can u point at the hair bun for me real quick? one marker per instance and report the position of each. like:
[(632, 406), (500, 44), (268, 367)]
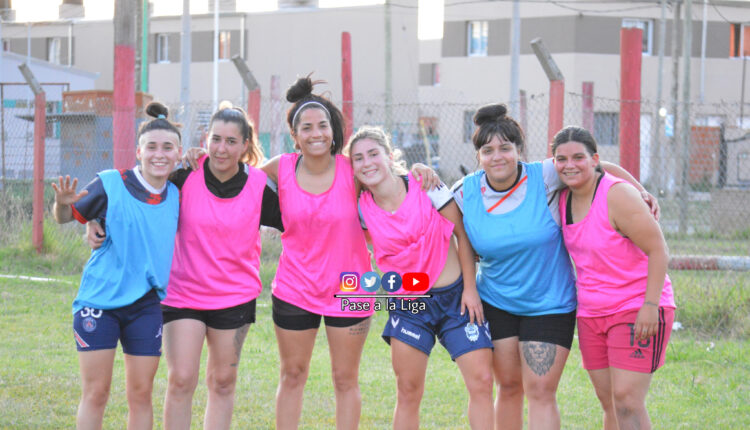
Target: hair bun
[(154, 109), (300, 89), (490, 113), (226, 104)]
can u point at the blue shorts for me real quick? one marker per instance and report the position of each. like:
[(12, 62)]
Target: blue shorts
[(136, 326), (441, 317)]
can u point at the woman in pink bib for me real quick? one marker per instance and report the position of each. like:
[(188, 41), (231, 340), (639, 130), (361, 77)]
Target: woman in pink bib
[(214, 280), (322, 240), (625, 301), (420, 235)]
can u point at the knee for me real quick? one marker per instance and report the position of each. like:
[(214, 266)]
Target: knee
[(539, 391), (182, 382), (626, 403), (345, 380), (479, 384), (409, 390), (605, 398), (96, 396), (222, 383), (293, 376), (510, 388)]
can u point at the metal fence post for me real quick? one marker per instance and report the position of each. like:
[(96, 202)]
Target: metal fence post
[(346, 82), (630, 100), (40, 129)]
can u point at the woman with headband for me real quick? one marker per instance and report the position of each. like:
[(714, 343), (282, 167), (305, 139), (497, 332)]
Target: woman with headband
[(322, 239)]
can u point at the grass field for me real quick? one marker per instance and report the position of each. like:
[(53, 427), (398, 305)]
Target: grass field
[(703, 385)]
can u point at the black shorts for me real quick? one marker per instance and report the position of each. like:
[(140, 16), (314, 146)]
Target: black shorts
[(556, 329), (220, 319), (290, 317)]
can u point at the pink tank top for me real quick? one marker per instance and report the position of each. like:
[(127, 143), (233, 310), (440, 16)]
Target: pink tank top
[(415, 238), (612, 270), (217, 248), (322, 238)]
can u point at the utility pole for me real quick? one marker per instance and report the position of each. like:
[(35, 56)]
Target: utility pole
[(685, 129), (144, 47), (388, 70), (656, 163), (216, 58), (123, 97), (515, 57), (675, 92), (185, 60)]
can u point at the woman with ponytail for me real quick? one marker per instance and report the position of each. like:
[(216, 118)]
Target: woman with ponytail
[(215, 277), (322, 239), (125, 278), (625, 299), (524, 277)]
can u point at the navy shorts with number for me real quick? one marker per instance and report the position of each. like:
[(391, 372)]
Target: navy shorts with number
[(441, 317), (136, 326)]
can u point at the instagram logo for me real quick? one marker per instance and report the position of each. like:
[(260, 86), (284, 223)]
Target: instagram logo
[(349, 281)]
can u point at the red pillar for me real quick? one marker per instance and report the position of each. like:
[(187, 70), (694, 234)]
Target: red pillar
[(556, 111), (37, 212), (123, 97), (253, 110), (346, 82), (630, 99), (587, 120)]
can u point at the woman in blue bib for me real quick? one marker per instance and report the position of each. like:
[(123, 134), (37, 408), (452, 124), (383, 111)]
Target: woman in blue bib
[(524, 278), (124, 279)]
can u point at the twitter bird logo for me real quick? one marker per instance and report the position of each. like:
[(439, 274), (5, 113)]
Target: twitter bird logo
[(370, 282)]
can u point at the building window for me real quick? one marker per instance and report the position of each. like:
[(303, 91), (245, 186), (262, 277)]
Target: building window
[(162, 48), (739, 41), (225, 50), (606, 128), (429, 74), (477, 38), (647, 26), (53, 50)]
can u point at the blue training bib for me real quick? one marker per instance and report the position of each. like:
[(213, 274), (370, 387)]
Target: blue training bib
[(136, 256), (524, 268)]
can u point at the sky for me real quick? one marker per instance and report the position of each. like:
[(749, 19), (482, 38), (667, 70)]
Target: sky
[(430, 11)]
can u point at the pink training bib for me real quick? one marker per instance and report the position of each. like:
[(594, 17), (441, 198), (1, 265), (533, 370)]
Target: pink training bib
[(217, 248), (612, 270), (322, 238), (415, 238)]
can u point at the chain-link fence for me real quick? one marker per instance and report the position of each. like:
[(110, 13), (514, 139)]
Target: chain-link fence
[(702, 181)]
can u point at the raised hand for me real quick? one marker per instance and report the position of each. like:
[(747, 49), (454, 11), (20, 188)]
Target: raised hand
[(65, 191)]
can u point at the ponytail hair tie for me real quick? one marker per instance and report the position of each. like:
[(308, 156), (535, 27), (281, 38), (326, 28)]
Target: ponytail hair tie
[(161, 116)]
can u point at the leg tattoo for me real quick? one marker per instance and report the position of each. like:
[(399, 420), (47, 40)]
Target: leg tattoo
[(539, 356), (239, 340)]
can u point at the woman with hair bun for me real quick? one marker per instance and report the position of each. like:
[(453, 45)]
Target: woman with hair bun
[(625, 300), (124, 280), (322, 239), (214, 282), (524, 277)]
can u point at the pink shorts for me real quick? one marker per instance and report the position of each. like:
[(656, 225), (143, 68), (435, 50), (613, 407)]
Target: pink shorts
[(610, 341)]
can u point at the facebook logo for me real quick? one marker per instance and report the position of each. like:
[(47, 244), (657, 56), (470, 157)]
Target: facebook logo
[(391, 282)]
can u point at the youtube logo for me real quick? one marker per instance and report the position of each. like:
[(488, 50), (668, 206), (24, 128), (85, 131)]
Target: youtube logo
[(416, 282)]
